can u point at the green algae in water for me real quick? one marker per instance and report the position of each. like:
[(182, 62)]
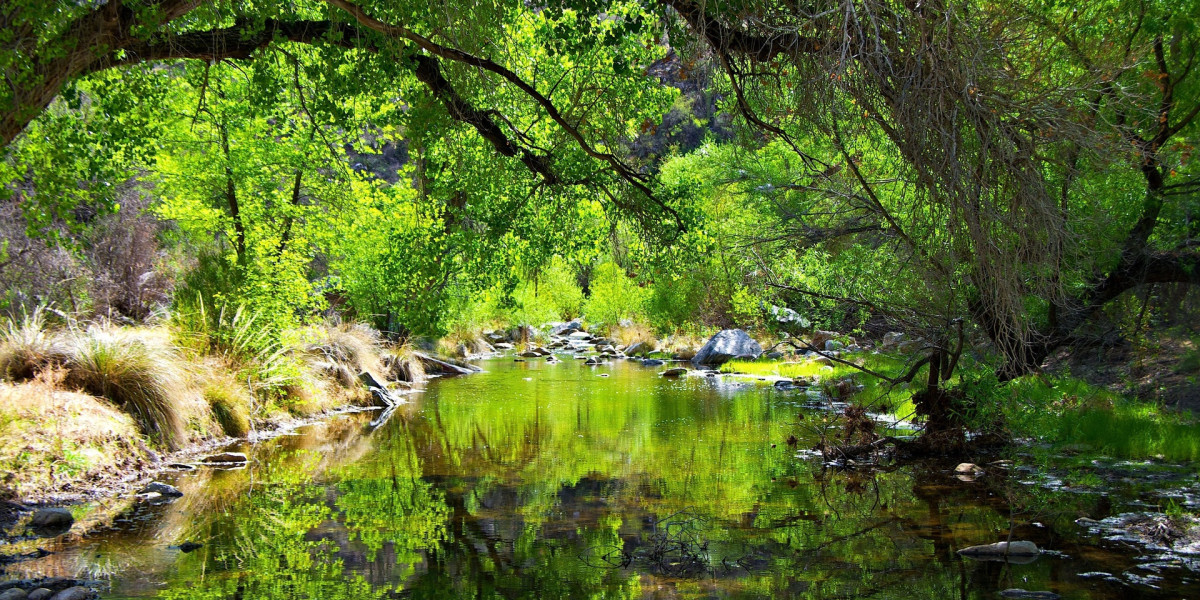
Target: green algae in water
[(537, 480)]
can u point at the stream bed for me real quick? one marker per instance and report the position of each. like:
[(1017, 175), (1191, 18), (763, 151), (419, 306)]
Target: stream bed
[(560, 480)]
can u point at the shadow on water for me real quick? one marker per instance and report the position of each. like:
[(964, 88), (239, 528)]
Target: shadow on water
[(538, 480)]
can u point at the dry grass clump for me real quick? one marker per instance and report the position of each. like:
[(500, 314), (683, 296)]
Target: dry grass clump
[(230, 403), (463, 344), (401, 364), (138, 373), (51, 438), (632, 334), (683, 345), (340, 352), (25, 347), (139, 376)]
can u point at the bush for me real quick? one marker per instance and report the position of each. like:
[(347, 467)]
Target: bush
[(552, 295)]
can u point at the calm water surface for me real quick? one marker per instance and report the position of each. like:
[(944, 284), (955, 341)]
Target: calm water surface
[(538, 480)]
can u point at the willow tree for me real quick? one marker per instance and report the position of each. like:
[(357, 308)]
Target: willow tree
[(1018, 165)]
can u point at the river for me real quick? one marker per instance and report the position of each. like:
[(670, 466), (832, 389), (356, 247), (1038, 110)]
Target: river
[(543, 480)]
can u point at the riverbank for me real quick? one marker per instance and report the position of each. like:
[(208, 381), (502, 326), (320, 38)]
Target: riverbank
[(86, 410)]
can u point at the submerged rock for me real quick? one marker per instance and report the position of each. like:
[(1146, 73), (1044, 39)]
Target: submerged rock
[(51, 521), (158, 487), (1020, 593), (675, 372), (1020, 548), (652, 362), (726, 345), (75, 593), (226, 458)]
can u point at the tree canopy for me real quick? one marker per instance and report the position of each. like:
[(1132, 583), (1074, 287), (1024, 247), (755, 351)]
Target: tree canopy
[(1017, 165)]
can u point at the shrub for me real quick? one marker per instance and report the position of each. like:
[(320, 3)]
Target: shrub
[(552, 294), (140, 379)]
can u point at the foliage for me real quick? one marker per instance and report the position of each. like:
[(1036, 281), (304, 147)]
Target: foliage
[(615, 296)]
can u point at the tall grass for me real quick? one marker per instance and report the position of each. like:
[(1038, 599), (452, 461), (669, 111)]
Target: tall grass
[(142, 380), (243, 339), (230, 405), (25, 346), (1066, 412)]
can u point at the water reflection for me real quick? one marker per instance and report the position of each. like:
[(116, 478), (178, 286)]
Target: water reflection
[(537, 480)]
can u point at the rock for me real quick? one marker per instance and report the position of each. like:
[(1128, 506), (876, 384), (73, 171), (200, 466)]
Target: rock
[(504, 346), (640, 348), (819, 337), (161, 488), (566, 328), (579, 336), (530, 354), (1020, 593), (891, 339), (1002, 549), (726, 345), (52, 521), (40, 594), (802, 382), (833, 345), (784, 384), (823, 360), (775, 355), (182, 466), (225, 458), (789, 318), (75, 593), (444, 367), (522, 333), (14, 594), (189, 547), (969, 469), (675, 372), (593, 361), (652, 362)]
